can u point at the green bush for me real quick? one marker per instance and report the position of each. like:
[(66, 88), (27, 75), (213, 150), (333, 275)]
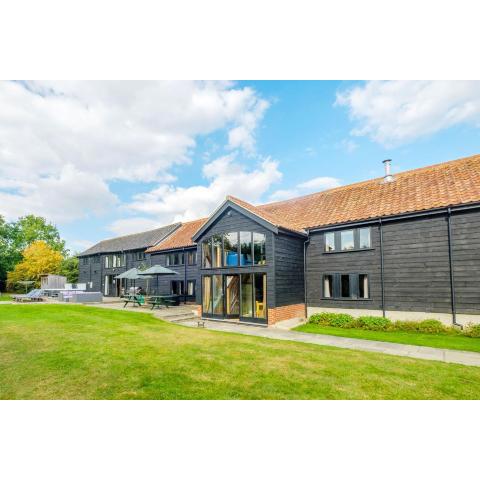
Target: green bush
[(472, 331), (425, 326), (342, 320), (373, 323), (432, 326), (367, 322), (404, 326)]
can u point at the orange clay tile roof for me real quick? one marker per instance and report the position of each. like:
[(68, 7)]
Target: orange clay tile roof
[(450, 183), (181, 237)]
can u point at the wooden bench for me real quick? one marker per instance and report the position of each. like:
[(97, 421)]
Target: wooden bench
[(158, 302), (133, 299)]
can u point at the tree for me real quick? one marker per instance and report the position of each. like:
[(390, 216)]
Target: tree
[(69, 269), (38, 258), (30, 228), (15, 237)]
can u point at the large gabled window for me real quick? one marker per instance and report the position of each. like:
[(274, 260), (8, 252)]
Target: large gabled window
[(234, 249)]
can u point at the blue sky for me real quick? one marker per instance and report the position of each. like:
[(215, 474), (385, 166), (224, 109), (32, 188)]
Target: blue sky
[(108, 158)]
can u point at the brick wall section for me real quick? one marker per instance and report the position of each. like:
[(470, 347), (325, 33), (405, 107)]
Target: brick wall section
[(285, 313)]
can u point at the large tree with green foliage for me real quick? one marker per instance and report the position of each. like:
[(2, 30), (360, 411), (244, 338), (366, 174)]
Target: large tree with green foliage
[(15, 237), (69, 269)]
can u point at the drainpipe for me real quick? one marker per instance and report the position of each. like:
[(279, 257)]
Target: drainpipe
[(452, 278), (184, 277), (382, 267), (305, 285)]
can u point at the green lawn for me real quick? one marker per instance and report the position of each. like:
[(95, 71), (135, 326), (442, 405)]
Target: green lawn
[(455, 342), (55, 351), (5, 297)]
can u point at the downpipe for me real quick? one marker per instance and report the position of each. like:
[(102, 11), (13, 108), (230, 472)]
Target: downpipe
[(305, 284), (452, 276)]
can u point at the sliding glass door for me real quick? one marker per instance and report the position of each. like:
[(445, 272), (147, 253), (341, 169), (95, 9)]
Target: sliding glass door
[(232, 296), (242, 296)]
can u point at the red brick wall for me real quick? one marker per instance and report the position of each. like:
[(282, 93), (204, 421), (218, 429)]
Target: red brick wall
[(285, 313)]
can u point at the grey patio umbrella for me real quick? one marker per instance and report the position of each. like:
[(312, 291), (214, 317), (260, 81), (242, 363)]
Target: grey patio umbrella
[(132, 274), (157, 270)]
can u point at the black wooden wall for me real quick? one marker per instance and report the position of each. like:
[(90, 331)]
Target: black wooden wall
[(185, 273), (289, 279), (416, 265)]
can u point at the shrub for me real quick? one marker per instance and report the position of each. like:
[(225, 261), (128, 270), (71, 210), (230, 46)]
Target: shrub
[(425, 326), (432, 326), (404, 326), (472, 330), (342, 320), (373, 323)]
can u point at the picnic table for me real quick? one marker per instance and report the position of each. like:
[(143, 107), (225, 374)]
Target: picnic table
[(134, 300), (162, 301)]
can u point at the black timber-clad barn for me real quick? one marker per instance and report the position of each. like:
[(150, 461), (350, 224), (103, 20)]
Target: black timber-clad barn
[(101, 263), (406, 246)]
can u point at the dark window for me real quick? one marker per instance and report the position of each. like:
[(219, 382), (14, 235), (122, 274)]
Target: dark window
[(330, 241), (84, 260), (245, 248), (247, 291), (216, 251), (192, 257), (346, 285), (191, 288), (230, 249), (206, 254), (259, 249), (217, 290), (364, 238), (174, 259), (176, 287), (96, 259), (139, 256), (207, 294), (260, 295), (232, 295), (347, 241), (363, 290), (328, 286)]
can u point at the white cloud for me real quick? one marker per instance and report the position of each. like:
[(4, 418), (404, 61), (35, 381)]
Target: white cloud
[(395, 112), (225, 175), (61, 198), (124, 226), (102, 131), (316, 184)]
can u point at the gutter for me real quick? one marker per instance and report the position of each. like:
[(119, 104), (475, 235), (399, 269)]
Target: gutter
[(390, 218)]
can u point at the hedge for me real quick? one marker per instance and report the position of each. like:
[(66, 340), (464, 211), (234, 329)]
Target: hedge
[(344, 320)]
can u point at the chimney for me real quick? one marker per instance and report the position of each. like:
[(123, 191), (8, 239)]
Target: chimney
[(388, 176)]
